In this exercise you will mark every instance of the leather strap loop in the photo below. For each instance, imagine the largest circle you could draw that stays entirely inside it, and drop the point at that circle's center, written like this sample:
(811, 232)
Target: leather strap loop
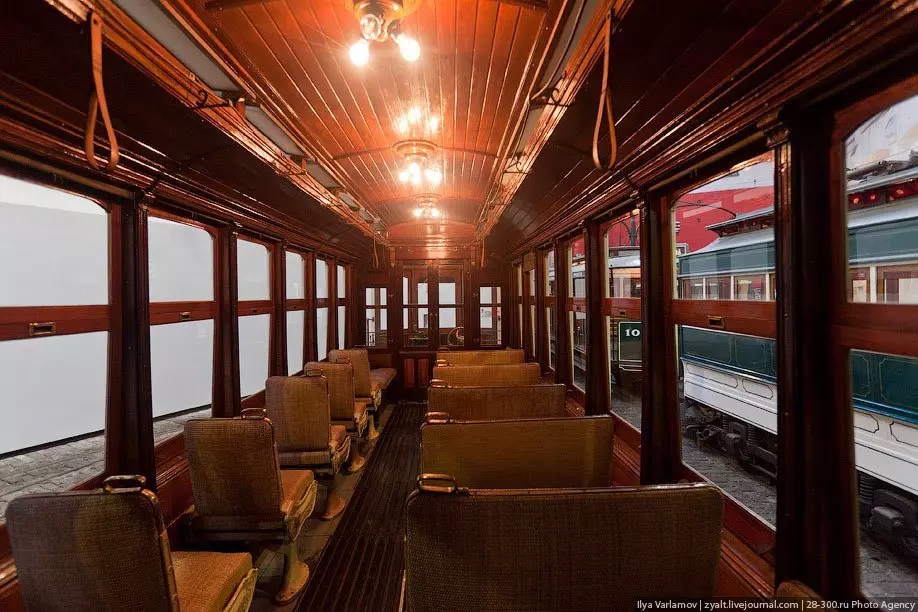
(98, 103)
(605, 105)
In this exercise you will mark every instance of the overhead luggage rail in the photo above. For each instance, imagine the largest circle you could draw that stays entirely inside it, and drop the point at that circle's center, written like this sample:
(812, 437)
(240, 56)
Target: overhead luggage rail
(559, 549)
(522, 453)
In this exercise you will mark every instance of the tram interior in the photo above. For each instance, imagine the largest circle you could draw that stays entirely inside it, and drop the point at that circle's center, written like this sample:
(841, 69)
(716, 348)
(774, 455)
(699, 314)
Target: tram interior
(457, 304)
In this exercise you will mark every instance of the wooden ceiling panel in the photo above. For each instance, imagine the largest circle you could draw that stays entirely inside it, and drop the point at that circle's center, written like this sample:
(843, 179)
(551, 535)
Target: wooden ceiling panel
(478, 60)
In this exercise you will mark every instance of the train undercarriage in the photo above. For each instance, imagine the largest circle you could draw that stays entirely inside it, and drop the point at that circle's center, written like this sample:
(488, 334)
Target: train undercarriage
(889, 514)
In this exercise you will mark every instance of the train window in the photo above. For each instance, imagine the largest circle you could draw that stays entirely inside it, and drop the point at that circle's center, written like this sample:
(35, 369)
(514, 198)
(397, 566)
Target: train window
(451, 298)
(532, 314)
(296, 311)
(622, 310)
(518, 299)
(341, 301)
(322, 332)
(321, 279)
(253, 262)
(729, 413)
(576, 310)
(725, 233)
(881, 205)
(54, 379)
(489, 316)
(415, 313)
(550, 306)
(75, 271)
(181, 264)
(377, 317)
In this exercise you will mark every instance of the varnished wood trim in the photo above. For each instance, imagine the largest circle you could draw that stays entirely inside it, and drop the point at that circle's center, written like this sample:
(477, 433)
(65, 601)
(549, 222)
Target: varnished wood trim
(15, 321)
(177, 312)
(753, 318)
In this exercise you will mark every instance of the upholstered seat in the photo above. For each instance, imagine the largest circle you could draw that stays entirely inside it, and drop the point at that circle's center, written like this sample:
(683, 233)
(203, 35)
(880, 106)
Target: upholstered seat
(364, 387)
(492, 403)
(555, 453)
(493, 357)
(791, 589)
(485, 550)
(510, 375)
(108, 550)
(240, 492)
(343, 405)
(384, 376)
(299, 408)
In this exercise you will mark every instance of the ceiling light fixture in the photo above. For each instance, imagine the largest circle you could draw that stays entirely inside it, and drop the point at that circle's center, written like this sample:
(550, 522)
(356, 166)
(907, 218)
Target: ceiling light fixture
(413, 121)
(419, 165)
(379, 21)
(427, 207)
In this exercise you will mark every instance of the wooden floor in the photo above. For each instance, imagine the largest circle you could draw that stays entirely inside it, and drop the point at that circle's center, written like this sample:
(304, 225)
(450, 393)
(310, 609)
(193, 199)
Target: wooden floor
(361, 567)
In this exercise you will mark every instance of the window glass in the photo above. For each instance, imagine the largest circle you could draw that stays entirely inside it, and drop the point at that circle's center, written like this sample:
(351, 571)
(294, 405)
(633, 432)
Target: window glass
(881, 162)
(415, 316)
(550, 274)
(623, 257)
(295, 276)
(296, 322)
(342, 326)
(578, 346)
(322, 333)
(35, 412)
(181, 262)
(725, 236)
(254, 337)
(181, 366)
(552, 339)
(729, 413)
(254, 271)
(451, 324)
(53, 247)
(321, 279)
(489, 315)
(377, 321)
(341, 286)
(577, 268)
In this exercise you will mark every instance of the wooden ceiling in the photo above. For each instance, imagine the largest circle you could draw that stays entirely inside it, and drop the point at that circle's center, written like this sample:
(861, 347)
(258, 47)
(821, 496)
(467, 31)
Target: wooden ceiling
(479, 58)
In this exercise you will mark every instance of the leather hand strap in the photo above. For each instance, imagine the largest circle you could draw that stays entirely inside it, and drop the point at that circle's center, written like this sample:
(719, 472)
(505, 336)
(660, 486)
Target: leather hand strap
(605, 104)
(98, 103)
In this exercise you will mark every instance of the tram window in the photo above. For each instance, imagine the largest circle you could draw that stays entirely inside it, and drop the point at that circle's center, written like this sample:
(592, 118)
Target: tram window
(321, 279)
(55, 386)
(254, 332)
(578, 348)
(577, 274)
(415, 313)
(450, 320)
(729, 417)
(253, 263)
(296, 311)
(341, 295)
(881, 205)
(530, 296)
(550, 297)
(377, 318)
(341, 285)
(726, 230)
(552, 336)
(322, 332)
(489, 315)
(181, 263)
(518, 298)
(622, 309)
(342, 326)
(550, 274)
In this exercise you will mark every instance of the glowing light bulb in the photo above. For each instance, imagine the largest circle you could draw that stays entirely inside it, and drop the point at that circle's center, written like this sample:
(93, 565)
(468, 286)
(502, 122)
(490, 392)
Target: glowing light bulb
(360, 52)
(433, 175)
(402, 125)
(418, 212)
(414, 114)
(433, 124)
(371, 26)
(404, 175)
(435, 213)
(415, 169)
(409, 47)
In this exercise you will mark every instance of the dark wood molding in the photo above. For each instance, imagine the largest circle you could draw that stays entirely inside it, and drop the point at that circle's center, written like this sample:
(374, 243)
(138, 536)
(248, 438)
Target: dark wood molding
(597, 363)
(309, 336)
(278, 351)
(564, 369)
(227, 401)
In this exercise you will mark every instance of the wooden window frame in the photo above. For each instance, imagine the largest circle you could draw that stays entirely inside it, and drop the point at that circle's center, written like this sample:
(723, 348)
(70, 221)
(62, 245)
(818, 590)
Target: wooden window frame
(296, 304)
(379, 290)
(496, 306)
(574, 305)
(549, 304)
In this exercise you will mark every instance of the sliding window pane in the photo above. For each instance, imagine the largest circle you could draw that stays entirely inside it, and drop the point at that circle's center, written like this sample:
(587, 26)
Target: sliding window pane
(254, 271)
(578, 346)
(625, 367)
(181, 262)
(725, 236)
(322, 333)
(577, 275)
(377, 322)
(342, 326)
(321, 279)
(254, 337)
(729, 413)
(296, 322)
(53, 247)
(341, 285)
(181, 367)
(489, 316)
(552, 337)
(54, 391)
(296, 265)
(550, 274)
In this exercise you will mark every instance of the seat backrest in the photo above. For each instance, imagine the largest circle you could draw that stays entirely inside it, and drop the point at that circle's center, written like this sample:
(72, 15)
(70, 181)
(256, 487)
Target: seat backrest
(341, 395)
(510, 375)
(494, 403)
(563, 549)
(566, 452)
(360, 359)
(298, 408)
(482, 357)
(234, 466)
(93, 550)
(791, 589)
